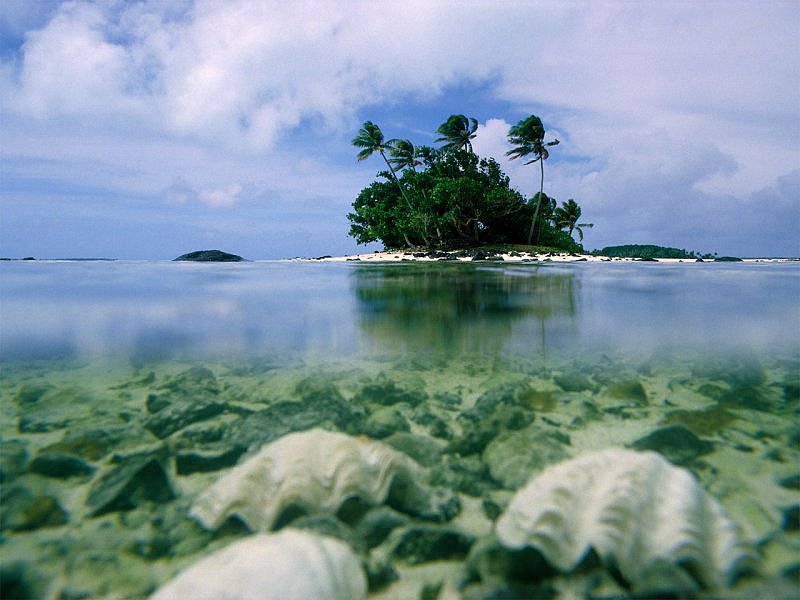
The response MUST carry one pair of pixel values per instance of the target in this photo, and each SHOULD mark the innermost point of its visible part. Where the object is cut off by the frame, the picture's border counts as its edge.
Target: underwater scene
(294, 429)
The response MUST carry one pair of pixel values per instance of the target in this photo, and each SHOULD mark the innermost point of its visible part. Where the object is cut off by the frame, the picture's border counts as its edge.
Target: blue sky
(149, 129)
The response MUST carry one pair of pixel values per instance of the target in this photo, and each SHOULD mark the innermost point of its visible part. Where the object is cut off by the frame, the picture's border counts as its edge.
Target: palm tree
(566, 217)
(403, 154)
(528, 138)
(370, 139)
(457, 131)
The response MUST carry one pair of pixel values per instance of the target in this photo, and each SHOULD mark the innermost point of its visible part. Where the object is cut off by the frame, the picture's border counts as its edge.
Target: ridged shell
(291, 564)
(635, 509)
(315, 470)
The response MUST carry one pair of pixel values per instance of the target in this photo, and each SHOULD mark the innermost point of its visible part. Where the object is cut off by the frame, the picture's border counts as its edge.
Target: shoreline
(511, 256)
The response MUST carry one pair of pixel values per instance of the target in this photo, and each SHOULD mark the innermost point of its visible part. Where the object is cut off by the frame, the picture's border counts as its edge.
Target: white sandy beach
(519, 257)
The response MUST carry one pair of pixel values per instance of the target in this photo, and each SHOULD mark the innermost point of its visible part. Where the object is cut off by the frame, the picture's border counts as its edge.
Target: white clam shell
(634, 508)
(315, 470)
(291, 564)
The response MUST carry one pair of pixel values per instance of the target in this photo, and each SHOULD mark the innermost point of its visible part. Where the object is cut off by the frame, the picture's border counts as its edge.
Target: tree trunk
(538, 202)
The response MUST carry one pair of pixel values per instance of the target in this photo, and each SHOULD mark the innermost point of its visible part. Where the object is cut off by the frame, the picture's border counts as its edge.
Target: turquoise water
(596, 354)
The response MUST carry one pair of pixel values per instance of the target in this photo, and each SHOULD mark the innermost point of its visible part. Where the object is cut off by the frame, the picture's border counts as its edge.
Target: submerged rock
(209, 256)
(61, 466)
(677, 443)
(174, 417)
(514, 456)
(13, 459)
(424, 543)
(130, 482)
(24, 510)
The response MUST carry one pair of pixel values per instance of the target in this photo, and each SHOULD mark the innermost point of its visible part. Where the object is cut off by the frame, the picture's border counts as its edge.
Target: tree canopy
(448, 196)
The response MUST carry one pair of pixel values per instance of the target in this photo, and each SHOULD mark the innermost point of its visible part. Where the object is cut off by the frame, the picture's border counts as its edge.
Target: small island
(450, 198)
(209, 256)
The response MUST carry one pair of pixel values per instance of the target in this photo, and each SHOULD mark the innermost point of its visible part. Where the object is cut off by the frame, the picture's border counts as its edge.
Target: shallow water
(598, 355)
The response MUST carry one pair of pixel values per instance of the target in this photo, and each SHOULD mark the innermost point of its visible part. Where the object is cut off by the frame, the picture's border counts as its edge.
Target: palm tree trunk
(396, 180)
(538, 202)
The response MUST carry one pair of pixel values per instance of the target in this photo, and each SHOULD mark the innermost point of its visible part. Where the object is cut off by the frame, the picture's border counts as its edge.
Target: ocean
(129, 387)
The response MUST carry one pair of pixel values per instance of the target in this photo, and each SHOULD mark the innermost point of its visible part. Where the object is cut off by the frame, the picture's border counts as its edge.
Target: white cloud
(221, 198)
(660, 107)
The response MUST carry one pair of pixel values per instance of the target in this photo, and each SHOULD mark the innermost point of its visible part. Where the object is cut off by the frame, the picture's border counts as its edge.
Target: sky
(147, 129)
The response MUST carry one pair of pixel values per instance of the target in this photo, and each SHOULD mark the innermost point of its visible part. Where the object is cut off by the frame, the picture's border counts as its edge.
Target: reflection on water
(464, 309)
(161, 310)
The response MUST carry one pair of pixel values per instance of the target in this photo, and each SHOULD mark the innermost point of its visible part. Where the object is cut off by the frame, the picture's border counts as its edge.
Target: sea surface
(128, 388)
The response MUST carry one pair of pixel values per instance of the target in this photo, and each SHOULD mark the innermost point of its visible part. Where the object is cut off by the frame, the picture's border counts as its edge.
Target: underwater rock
(30, 393)
(792, 482)
(318, 470)
(13, 459)
(286, 417)
(704, 421)
(57, 408)
(436, 426)
(20, 579)
(377, 524)
(194, 381)
(209, 256)
(23, 510)
(677, 443)
(386, 392)
(635, 510)
(291, 564)
(735, 369)
(478, 431)
(512, 457)
(174, 417)
(384, 422)
(133, 480)
(93, 444)
(574, 382)
(790, 518)
(422, 449)
(198, 461)
(61, 466)
(632, 391)
(466, 474)
(424, 543)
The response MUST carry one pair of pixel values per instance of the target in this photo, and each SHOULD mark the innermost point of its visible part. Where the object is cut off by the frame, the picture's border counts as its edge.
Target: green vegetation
(449, 196)
(647, 251)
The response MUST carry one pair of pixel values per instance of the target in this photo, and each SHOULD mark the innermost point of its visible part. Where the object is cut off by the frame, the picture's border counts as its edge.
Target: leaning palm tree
(566, 217)
(527, 137)
(370, 139)
(457, 131)
(403, 155)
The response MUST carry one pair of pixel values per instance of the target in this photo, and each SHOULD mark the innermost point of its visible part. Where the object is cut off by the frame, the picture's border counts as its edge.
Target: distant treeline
(647, 251)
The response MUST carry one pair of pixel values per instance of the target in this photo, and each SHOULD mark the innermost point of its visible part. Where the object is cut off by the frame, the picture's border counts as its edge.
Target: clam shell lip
(634, 508)
(291, 564)
(316, 470)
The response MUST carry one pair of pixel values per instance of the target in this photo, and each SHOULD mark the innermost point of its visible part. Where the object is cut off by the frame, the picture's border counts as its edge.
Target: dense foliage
(646, 251)
(449, 196)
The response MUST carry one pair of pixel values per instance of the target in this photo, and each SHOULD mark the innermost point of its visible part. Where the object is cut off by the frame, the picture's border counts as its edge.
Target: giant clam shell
(314, 470)
(636, 510)
(291, 564)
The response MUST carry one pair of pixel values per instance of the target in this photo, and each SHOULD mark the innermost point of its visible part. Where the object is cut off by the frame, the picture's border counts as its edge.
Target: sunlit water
(83, 345)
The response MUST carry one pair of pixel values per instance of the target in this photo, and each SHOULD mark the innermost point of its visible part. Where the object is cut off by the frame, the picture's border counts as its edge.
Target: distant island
(649, 251)
(209, 256)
